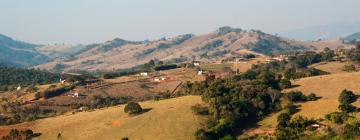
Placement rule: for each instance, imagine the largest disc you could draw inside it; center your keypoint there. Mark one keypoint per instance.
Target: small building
(77, 94)
(196, 64)
(144, 74)
(18, 88)
(200, 72)
(156, 79)
(160, 79)
(62, 81)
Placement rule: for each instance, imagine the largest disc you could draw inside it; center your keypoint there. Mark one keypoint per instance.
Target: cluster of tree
(236, 102)
(107, 101)
(349, 68)
(13, 77)
(19, 76)
(354, 54)
(152, 65)
(239, 100)
(15, 134)
(298, 96)
(249, 56)
(18, 114)
(299, 127)
(292, 128)
(52, 92)
(346, 98)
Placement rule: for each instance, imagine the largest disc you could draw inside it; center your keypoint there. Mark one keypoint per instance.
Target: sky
(92, 21)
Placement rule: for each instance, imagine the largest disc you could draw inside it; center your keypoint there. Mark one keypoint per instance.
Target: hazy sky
(90, 21)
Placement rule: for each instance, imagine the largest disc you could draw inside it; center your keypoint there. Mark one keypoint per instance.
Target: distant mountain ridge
(19, 54)
(328, 31)
(118, 53)
(221, 44)
(352, 39)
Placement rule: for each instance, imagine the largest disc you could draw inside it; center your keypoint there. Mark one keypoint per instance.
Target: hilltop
(221, 44)
(19, 54)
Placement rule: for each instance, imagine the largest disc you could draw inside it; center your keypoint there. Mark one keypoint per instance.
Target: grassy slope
(329, 88)
(167, 119)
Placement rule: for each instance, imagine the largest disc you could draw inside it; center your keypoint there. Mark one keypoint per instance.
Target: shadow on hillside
(144, 111)
(294, 86)
(36, 135)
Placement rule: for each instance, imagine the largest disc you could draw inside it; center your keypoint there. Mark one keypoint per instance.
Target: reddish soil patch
(4, 130)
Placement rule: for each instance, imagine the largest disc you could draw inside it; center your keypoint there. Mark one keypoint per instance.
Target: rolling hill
(222, 43)
(353, 38)
(19, 54)
(119, 53)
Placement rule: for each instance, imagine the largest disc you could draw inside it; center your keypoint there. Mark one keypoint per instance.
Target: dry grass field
(332, 67)
(246, 65)
(166, 119)
(329, 88)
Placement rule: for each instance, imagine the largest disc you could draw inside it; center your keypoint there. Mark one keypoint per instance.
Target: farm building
(144, 74)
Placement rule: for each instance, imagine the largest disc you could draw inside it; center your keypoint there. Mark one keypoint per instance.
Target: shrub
(347, 108)
(347, 97)
(337, 117)
(349, 68)
(312, 97)
(285, 83)
(165, 67)
(283, 120)
(296, 96)
(248, 56)
(133, 108)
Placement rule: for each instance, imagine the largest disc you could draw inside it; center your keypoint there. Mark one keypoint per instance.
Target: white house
(144, 74)
(200, 72)
(196, 64)
(157, 80)
(62, 81)
(18, 88)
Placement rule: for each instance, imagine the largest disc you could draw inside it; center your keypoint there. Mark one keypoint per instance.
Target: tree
(133, 108)
(347, 97)
(311, 97)
(285, 83)
(283, 120)
(274, 94)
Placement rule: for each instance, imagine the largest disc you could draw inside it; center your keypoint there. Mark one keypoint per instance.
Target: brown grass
(167, 119)
(332, 67)
(329, 88)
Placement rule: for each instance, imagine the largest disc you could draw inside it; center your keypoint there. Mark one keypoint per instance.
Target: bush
(249, 56)
(347, 108)
(349, 68)
(165, 67)
(283, 120)
(312, 97)
(56, 92)
(133, 108)
(337, 117)
(285, 83)
(347, 97)
(296, 96)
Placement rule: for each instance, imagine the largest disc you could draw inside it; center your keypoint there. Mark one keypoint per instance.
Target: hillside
(224, 42)
(327, 31)
(353, 38)
(19, 54)
(165, 119)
